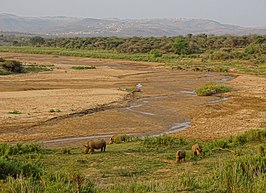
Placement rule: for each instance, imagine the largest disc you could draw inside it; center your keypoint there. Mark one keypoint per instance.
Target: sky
(247, 13)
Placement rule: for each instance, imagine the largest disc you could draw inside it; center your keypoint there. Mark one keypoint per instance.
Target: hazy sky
(240, 12)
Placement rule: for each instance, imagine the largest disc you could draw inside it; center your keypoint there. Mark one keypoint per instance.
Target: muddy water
(145, 108)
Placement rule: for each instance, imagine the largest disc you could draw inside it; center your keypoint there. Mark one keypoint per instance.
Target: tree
(37, 40)
(180, 46)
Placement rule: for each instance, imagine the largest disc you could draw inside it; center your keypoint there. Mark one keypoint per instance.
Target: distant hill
(72, 26)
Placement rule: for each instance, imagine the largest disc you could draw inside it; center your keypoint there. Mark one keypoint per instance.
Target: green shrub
(13, 66)
(156, 53)
(54, 110)
(211, 88)
(15, 112)
(82, 67)
(181, 45)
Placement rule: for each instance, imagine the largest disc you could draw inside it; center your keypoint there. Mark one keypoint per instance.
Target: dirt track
(167, 100)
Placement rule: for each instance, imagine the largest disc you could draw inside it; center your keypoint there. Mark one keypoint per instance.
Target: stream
(155, 112)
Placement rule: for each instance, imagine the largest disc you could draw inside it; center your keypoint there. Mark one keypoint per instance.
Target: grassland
(234, 164)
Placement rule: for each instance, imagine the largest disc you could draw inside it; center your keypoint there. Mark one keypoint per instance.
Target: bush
(83, 67)
(13, 66)
(54, 111)
(210, 89)
(156, 53)
(15, 112)
(180, 46)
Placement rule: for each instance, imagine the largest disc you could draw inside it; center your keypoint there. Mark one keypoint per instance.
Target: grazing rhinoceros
(117, 139)
(197, 149)
(97, 144)
(181, 154)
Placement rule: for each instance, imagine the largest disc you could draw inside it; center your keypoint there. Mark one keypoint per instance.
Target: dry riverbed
(50, 102)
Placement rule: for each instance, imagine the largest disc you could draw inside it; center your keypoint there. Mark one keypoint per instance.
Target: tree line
(181, 45)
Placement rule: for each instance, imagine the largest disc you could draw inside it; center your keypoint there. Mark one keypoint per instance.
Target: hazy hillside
(70, 26)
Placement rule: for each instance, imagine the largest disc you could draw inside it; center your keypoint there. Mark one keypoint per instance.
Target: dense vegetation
(234, 164)
(192, 52)
(189, 44)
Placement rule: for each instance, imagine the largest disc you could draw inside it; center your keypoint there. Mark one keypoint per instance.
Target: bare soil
(167, 100)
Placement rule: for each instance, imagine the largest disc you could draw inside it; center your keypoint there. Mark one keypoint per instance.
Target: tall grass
(49, 183)
(14, 168)
(243, 174)
(163, 141)
(8, 150)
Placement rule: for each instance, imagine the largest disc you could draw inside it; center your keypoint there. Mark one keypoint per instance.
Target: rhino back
(98, 144)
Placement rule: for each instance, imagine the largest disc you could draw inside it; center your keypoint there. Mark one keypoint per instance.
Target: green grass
(233, 164)
(79, 53)
(54, 111)
(37, 68)
(15, 112)
(83, 67)
(2, 72)
(211, 89)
